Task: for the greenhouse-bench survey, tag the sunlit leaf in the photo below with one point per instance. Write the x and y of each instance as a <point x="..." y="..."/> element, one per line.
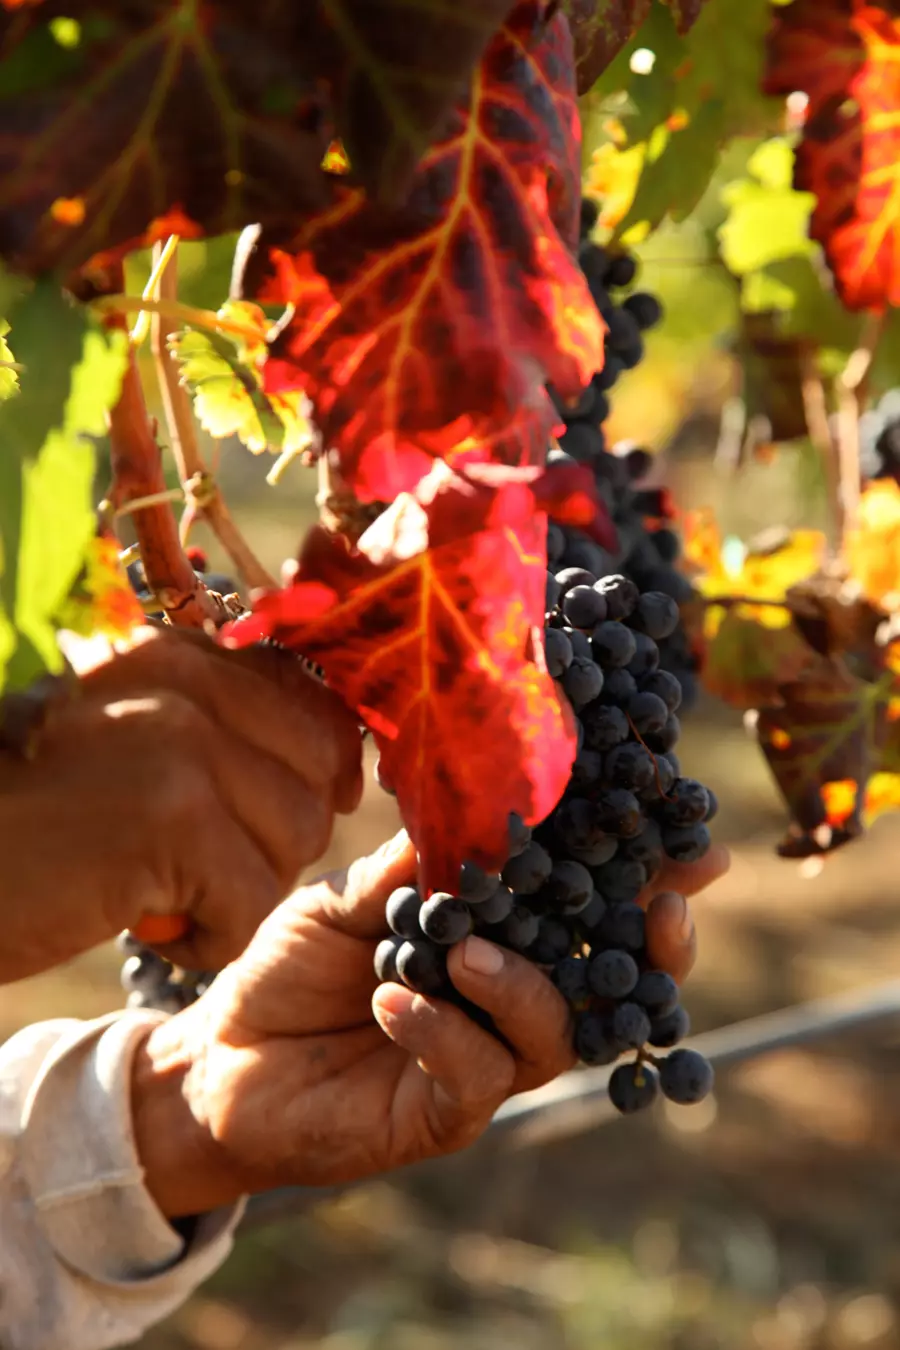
<point x="845" y="56"/>
<point x="225" y="380"/>
<point x="872" y="546"/>
<point x="47" y="470"/>
<point x="432" y="630"/>
<point x="419" y="330"/>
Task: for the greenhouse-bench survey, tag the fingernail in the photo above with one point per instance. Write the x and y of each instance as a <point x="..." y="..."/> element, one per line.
<point x="686" y="922"/>
<point x="481" y="957"/>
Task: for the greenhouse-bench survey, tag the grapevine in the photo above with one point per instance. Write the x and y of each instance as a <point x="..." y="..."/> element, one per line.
<point x="432" y="307"/>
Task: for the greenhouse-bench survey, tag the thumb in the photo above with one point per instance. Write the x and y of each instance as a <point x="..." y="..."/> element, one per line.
<point x="353" y="901"/>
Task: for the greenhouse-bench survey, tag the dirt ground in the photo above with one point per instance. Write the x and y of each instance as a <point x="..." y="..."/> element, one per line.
<point x="768" y="1221"/>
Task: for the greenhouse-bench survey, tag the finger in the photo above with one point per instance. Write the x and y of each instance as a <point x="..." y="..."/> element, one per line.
<point x="671" y="939"/>
<point x="689" y="878"/>
<point x="464" y="1072"/>
<point x="353" y="900"/>
<point x="525" y="1007"/>
<point x="226" y="885"/>
<point x="263" y="696"/>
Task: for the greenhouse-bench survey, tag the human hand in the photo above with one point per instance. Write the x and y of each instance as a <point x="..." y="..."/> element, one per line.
<point x="295" y="1069"/>
<point x="181" y="779"/>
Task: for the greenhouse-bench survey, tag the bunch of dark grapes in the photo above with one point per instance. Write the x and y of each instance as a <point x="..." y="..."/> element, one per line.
<point x="567" y="896"/>
<point x="648" y="546"/>
<point x="152" y="982"/>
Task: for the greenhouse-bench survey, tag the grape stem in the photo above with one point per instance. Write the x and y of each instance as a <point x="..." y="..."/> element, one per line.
<point x="852" y="394"/>
<point x="137" y="476"/>
<point x="815" y="408"/>
<point x="204" y="497"/>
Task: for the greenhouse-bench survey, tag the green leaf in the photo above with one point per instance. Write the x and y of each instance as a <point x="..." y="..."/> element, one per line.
<point x="767" y="221"/>
<point x="676" y="172"/>
<point x="47" y="469"/>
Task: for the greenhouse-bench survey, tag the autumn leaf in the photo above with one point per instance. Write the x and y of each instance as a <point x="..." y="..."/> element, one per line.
<point x="395" y="69"/>
<point x="155" y="108"/>
<point x="745" y="663"/>
<point x="845" y="56"/>
<point x="872" y="546"/>
<point x="432" y="630"/>
<point x="417" y="331"/>
<point x="821" y="745"/>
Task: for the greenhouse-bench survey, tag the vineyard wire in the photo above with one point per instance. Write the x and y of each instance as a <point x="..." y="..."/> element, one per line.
<point x="578" y="1101"/>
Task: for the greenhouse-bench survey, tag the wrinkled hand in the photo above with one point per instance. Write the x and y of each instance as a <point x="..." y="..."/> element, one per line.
<point x="182" y="779"/>
<point x="295" y="1069"/>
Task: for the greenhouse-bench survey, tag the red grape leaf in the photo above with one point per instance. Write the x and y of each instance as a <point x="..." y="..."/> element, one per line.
<point x="157" y="109"/>
<point x="601" y="28"/>
<point x="417" y="330"/>
<point x="845" y="56"/>
<point x="432" y="630"/>
<point x="395" y="69"/>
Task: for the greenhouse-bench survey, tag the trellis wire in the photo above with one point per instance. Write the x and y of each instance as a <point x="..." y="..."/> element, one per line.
<point x="579" y="1101"/>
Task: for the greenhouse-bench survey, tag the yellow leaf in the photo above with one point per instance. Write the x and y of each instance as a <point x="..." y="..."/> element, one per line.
<point x="872" y="547"/>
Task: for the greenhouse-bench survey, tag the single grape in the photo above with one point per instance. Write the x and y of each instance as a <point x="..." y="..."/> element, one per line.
<point x="713" y="809"/>
<point x="554" y="941"/>
<point x="665" y="686"/>
<point x="633" y="1087"/>
<point x="578" y="824"/>
<point x="558" y="651"/>
<point x="669" y="1028"/>
<point x="604" y="726"/>
<point x="624" y="926"/>
<point x="570" y="975"/>
<point x="619" y="812"/>
<point x="580" y="642"/>
<point x="613" y="645"/>
<point x="630" y="1025"/>
<point x="646" y="656"/>
<point x="620" y="593"/>
<point x="687" y="844"/>
<point x="657" y="992"/>
<point x="386" y="960"/>
<point x="144" y="972"/>
<point x="648" y="713"/>
<point x="476" y="885"/>
<point x="660" y="742"/>
<point x="422" y="966"/>
<point x="527" y="872"/>
<point x="644" y="308"/>
<point x="621" y="880"/>
<point x="520" y="928"/>
<point x="599" y="853"/>
<point x="402" y="912"/>
<point x="569" y="887"/>
<point x="686" y="1077"/>
<point x="645" y="848"/>
<point x="593" y="913"/>
<point x="619" y="688"/>
<point x="594" y="1043"/>
<point x="570" y="577"/>
<point x="582" y="682"/>
<point x="445" y="919"/>
<point x="497" y="908"/>
<point x="584" y="607"/>
<point x="612" y="974"/>
<point x="687" y="804"/>
<point x="629" y="766"/>
<point x="621" y="270"/>
<point x="656" y="615"/>
<point x="587" y="769"/>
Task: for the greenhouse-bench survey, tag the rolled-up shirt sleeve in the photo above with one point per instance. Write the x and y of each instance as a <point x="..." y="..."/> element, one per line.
<point x="87" y="1260"/>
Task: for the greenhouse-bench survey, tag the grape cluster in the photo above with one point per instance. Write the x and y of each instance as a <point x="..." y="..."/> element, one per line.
<point x="567" y="896"/>
<point x="152" y="982"/>
<point x="648" y="546"/>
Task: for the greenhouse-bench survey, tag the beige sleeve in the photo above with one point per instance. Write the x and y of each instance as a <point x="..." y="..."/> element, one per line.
<point x="87" y="1260"/>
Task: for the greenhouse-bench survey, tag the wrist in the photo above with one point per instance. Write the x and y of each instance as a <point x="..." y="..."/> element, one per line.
<point x="185" y="1171"/>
